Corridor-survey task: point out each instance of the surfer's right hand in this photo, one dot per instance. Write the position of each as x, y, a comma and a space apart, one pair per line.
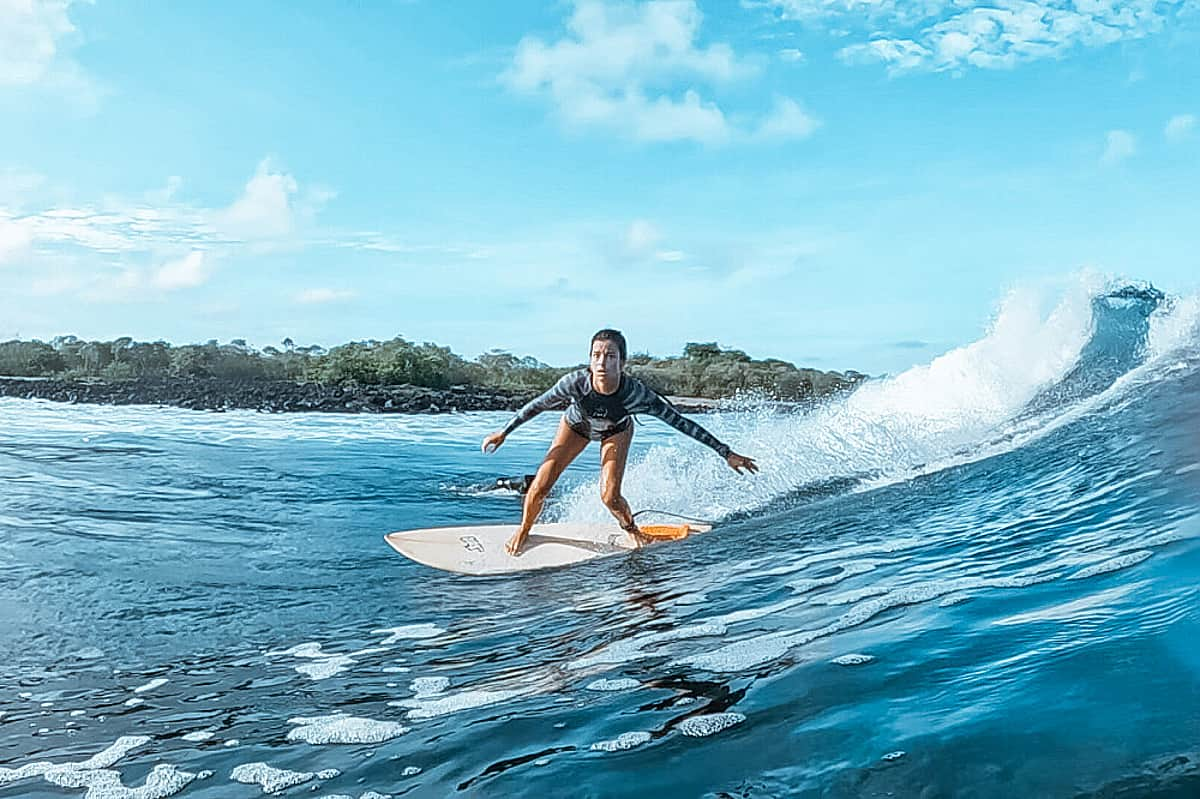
493, 442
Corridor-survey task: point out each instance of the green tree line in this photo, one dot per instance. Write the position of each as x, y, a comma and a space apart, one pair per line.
704, 370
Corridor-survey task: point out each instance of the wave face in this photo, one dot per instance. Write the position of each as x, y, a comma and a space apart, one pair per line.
977, 577
1043, 358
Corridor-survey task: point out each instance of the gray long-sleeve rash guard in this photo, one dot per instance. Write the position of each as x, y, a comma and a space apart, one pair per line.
588, 408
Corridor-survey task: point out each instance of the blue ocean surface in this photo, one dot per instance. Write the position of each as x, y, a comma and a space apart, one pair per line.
977, 578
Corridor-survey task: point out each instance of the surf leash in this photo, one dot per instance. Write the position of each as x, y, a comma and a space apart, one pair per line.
675, 516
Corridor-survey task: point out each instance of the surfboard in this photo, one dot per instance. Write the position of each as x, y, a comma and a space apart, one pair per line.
479, 549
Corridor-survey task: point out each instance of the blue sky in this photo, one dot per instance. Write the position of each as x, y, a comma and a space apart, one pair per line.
840, 183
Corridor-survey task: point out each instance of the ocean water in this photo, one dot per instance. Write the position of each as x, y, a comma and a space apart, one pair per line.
978, 578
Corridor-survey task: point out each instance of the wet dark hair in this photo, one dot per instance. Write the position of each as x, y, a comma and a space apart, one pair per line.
608, 334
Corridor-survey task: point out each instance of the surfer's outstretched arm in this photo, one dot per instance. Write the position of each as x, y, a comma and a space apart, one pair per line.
646, 401
557, 396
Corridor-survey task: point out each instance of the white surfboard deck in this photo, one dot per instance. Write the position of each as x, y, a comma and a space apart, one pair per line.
479, 549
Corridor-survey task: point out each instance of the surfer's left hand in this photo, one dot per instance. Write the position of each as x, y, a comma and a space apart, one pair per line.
738, 462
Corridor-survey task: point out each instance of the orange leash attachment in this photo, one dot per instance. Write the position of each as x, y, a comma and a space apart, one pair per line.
666, 532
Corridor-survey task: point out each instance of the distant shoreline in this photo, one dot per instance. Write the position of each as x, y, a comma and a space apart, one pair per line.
282, 396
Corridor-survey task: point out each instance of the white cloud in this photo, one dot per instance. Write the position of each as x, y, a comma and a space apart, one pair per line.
641, 243
119, 282
35, 40
120, 229
323, 295
787, 120
791, 54
16, 240
264, 210
1180, 127
641, 237
899, 54
870, 10
129, 249
1119, 145
30, 37
626, 67
272, 209
990, 34
187, 272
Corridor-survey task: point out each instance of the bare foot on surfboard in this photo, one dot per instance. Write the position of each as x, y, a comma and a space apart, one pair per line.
516, 544
636, 536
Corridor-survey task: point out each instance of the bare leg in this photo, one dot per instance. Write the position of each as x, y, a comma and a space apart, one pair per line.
565, 448
614, 452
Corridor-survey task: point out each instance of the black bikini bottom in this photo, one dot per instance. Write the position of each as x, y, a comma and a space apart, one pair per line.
587, 431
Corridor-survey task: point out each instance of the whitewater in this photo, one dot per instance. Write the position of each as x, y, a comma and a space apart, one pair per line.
973, 578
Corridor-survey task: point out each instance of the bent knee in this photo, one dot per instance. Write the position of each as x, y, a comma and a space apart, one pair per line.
540, 488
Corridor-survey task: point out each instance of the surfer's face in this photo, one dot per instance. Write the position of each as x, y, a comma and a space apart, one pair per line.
606, 358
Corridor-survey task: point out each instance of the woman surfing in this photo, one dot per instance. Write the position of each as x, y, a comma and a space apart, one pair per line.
600, 402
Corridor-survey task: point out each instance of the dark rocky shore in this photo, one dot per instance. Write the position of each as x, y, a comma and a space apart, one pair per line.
269, 396
279, 396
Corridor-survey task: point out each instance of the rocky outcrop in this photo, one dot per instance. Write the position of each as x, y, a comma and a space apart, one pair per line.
283, 396
269, 396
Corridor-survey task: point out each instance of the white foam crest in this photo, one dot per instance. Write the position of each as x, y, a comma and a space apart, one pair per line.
1173, 325
408, 632
24, 772
628, 649
326, 668
888, 426
163, 780
710, 724
442, 705
97, 762
746, 654
150, 686
121, 747
342, 729
850, 597
324, 664
618, 684
274, 780
429, 686
953, 599
626, 740
1111, 565
853, 659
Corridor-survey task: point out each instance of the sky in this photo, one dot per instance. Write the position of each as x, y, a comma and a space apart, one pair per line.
845, 184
